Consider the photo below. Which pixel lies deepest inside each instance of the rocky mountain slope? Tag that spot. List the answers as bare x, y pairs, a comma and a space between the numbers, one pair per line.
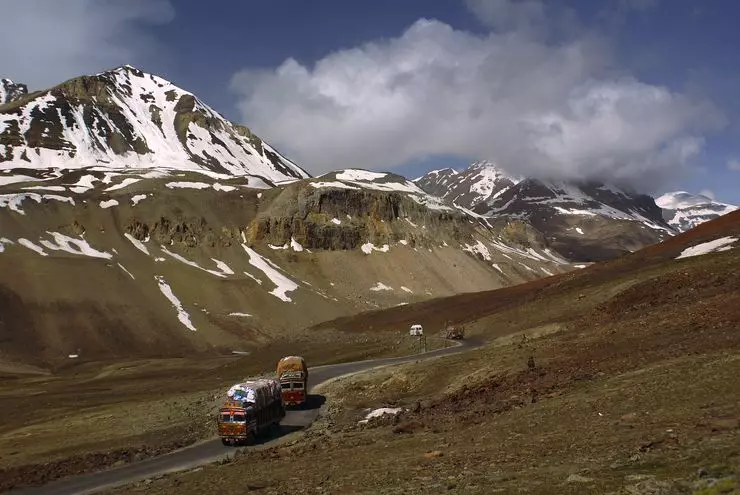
583, 221
104, 263
125, 118
10, 91
684, 211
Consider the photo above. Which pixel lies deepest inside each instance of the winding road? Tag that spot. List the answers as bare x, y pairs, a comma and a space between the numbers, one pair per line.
212, 450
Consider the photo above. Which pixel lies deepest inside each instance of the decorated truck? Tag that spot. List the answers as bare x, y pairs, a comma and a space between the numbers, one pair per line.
293, 376
250, 410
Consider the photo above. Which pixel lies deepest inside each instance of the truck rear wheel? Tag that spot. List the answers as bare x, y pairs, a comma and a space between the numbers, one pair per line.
225, 441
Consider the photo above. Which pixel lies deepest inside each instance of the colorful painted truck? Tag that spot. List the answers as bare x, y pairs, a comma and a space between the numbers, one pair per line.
293, 375
252, 408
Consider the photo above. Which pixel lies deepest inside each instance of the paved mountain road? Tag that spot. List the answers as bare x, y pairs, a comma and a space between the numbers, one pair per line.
212, 450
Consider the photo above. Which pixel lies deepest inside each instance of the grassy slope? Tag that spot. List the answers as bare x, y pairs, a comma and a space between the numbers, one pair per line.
633, 390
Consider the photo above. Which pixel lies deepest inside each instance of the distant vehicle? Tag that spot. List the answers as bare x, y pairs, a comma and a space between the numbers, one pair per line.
416, 330
293, 375
455, 332
253, 407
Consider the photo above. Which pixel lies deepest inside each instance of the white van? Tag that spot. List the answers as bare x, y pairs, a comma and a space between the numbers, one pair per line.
416, 330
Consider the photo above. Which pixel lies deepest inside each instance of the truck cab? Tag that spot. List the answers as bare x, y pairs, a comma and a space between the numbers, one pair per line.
233, 423
293, 388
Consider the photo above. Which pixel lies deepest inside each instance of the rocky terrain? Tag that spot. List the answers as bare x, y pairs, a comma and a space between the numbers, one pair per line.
10, 91
215, 263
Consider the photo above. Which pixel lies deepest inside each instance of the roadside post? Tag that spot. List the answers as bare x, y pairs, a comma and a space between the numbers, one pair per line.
418, 331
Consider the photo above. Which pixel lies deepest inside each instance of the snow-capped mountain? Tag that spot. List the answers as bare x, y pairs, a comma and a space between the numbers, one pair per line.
480, 182
684, 211
10, 91
126, 118
586, 221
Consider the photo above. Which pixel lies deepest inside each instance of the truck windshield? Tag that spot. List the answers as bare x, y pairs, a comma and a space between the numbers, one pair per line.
239, 418
298, 385
285, 385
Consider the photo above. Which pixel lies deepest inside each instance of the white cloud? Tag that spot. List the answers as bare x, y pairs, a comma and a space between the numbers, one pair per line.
733, 164
509, 14
532, 107
708, 193
47, 41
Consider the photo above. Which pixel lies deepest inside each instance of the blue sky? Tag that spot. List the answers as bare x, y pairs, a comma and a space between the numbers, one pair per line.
642, 92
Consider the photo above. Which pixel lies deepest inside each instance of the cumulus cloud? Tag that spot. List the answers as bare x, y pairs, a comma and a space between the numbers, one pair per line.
46, 41
532, 108
733, 164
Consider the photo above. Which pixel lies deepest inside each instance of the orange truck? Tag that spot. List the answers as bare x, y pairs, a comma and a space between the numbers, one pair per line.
293, 376
252, 408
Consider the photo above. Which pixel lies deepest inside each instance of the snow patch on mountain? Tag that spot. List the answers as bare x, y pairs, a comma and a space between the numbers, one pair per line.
3, 242
360, 175
13, 179
222, 272
137, 243
369, 247
380, 286
13, 201
125, 270
135, 199
182, 315
33, 247
283, 284
478, 249
721, 244
74, 246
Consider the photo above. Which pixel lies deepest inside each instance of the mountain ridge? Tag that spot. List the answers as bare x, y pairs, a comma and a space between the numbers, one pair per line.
126, 118
587, 221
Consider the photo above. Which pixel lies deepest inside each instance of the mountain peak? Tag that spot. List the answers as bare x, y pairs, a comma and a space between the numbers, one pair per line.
480, 182
684, 210
126, 118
